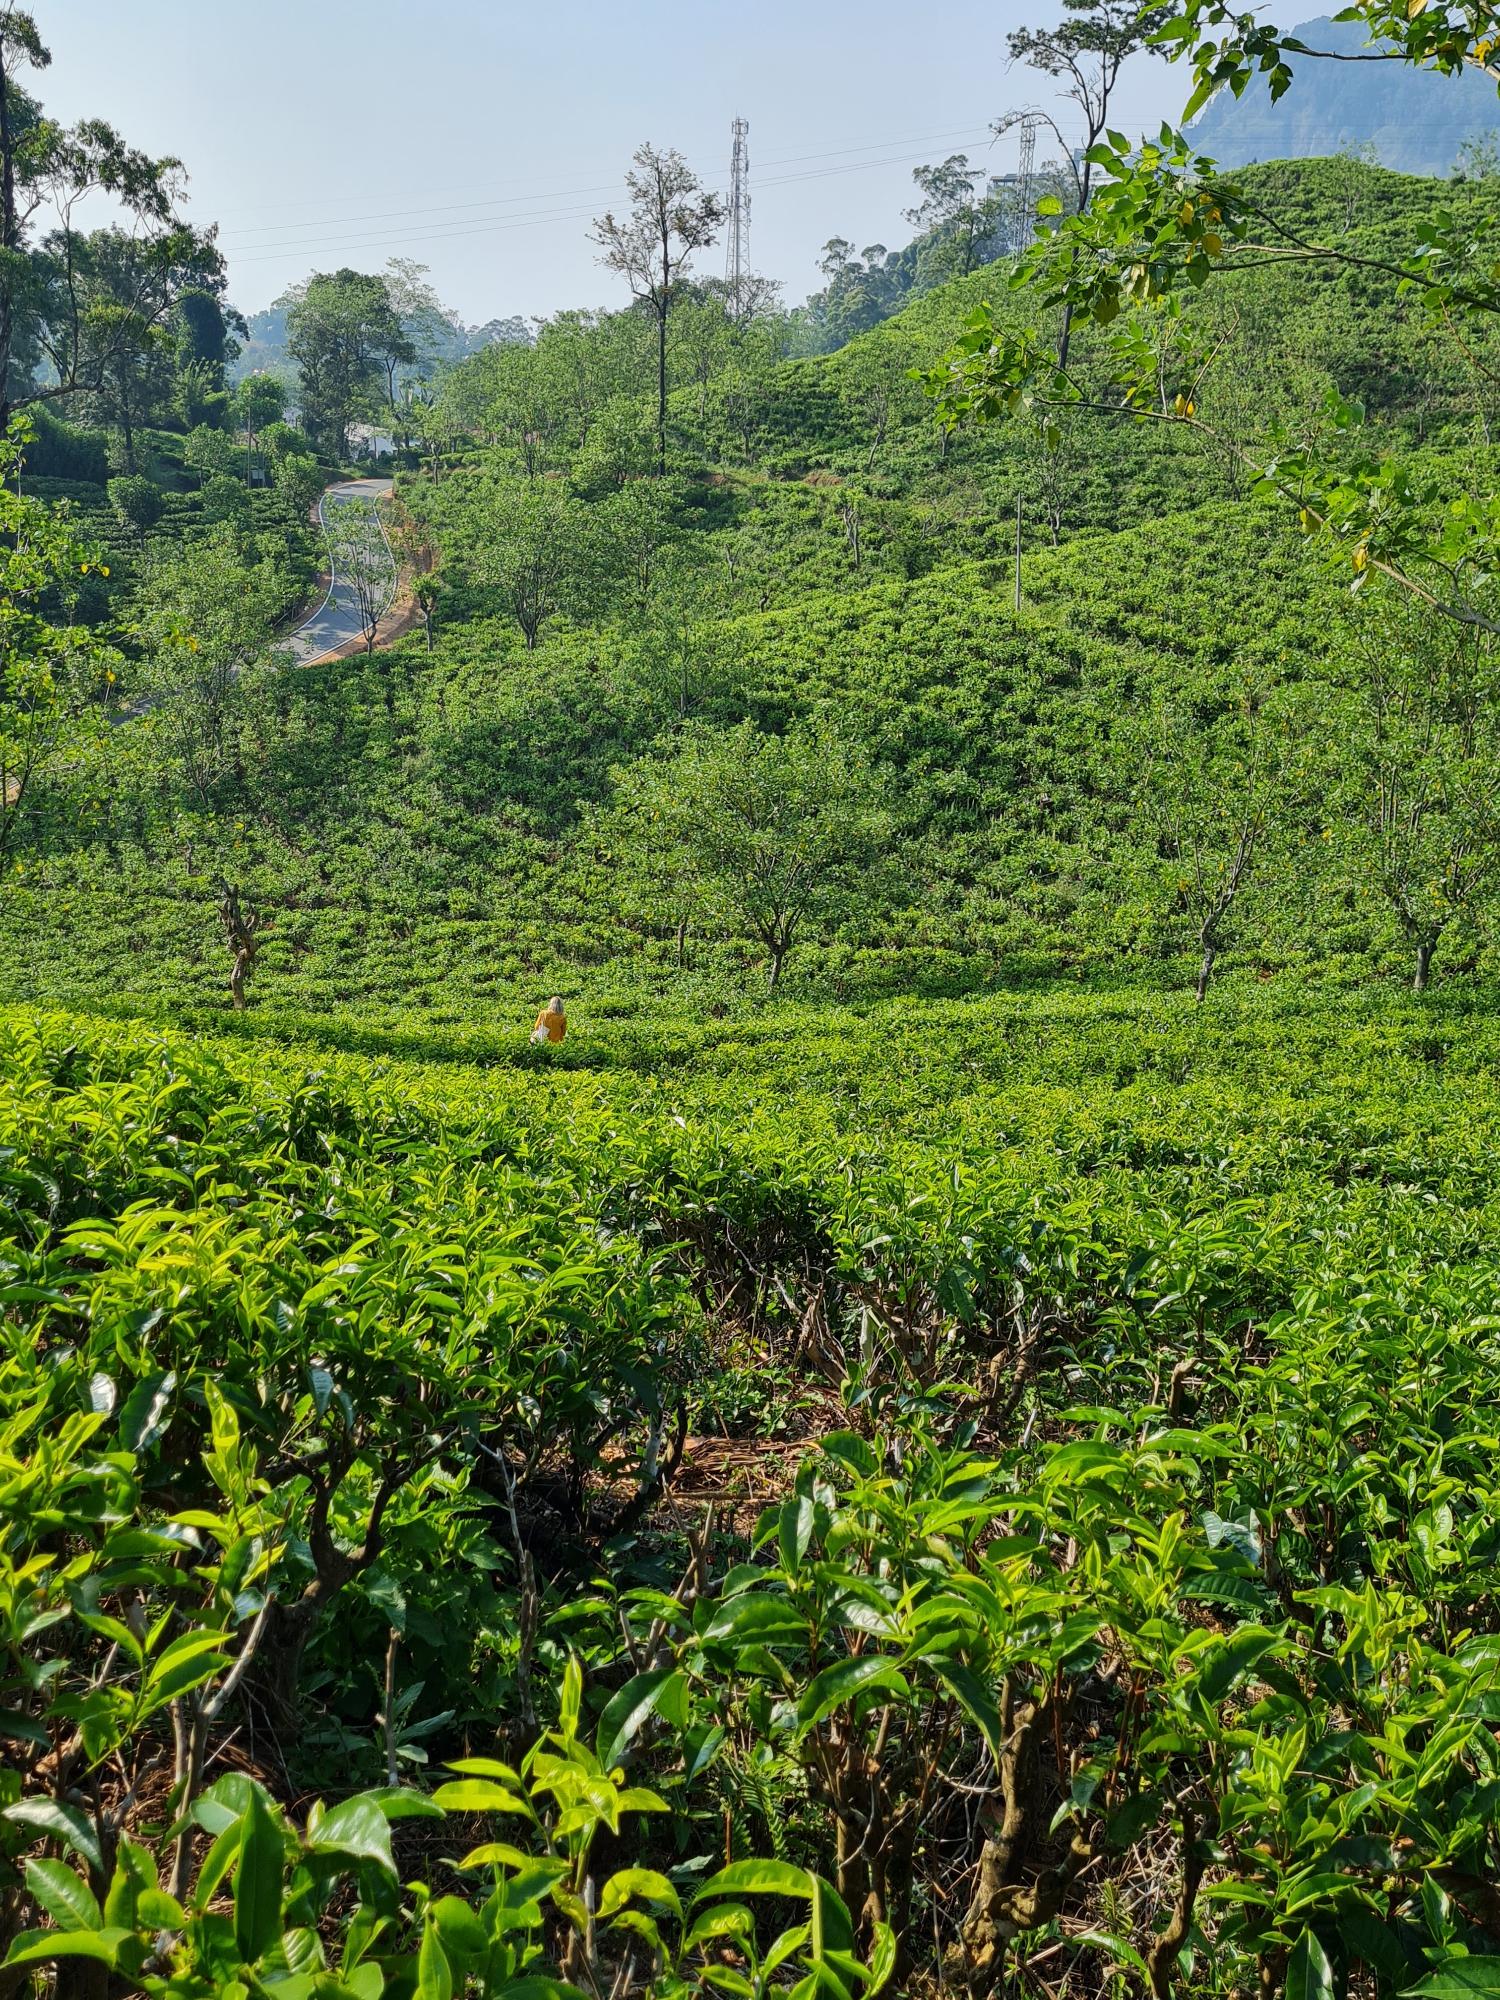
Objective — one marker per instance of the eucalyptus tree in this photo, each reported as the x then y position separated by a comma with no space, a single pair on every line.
671,216
960,209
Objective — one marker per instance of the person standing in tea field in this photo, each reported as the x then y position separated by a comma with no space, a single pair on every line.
551,1023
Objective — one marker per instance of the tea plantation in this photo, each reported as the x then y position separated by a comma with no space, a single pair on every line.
944,1439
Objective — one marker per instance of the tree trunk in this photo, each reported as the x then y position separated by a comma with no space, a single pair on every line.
1425,949
661,393
1064,338
778,955
1205,971
129,430
9,240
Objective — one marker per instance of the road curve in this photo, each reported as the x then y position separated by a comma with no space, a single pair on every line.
336,622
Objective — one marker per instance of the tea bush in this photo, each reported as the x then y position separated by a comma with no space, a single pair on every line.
1161,1521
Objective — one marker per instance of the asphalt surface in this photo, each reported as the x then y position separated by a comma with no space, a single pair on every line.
336,621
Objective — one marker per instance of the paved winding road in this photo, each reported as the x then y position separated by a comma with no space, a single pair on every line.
337,621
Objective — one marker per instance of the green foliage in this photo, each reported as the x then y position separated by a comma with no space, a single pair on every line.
137,501
966,1472
346,338
1165,1497
767,834
52,673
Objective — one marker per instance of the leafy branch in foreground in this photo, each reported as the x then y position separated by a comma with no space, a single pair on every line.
1163,225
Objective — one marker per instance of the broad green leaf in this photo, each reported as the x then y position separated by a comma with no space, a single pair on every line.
1460,1979
974,1698
1237,1656
796,1529
761,1620
66,1897
434,1973
359,1828
486,1767
59,1822
461,1928
143,1416
850,1449
662,1692
645,1883
480,1795
840,1683
38,1947
257,1883
1309,1976
759,1878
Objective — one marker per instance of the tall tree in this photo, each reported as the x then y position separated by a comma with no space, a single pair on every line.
1212,790
1084,55
952,204
538,551
671,216
360,561
206,612
434,332
258,401
343,333
49,313
860,289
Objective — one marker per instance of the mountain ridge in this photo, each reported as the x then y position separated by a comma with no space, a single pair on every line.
1413,124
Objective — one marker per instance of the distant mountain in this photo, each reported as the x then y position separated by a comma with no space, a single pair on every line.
1413,123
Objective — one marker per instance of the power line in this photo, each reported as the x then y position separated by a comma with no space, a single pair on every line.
445,232
557,194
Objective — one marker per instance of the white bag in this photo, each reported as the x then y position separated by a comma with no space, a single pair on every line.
539,1034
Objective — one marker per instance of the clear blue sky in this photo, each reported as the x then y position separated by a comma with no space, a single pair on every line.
480,136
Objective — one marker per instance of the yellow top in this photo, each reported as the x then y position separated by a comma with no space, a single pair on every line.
555,1024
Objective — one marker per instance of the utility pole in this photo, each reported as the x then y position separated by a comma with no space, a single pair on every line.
737,237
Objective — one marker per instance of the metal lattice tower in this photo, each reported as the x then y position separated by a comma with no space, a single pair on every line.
737,242
1025,218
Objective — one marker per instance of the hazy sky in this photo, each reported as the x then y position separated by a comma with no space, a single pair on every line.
480,136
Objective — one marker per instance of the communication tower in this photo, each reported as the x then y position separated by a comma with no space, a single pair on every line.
1026,196
737,239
